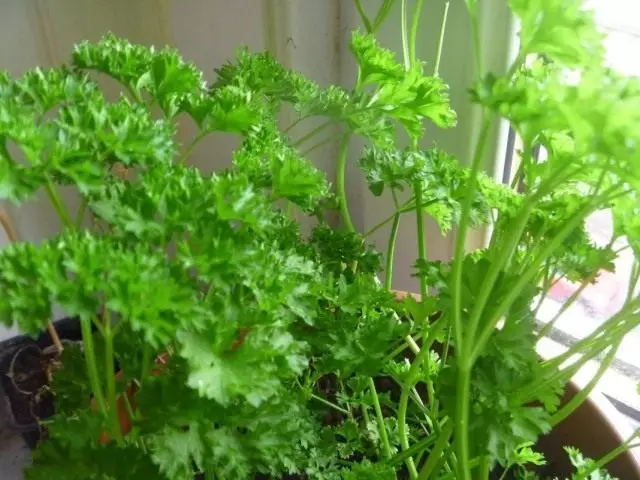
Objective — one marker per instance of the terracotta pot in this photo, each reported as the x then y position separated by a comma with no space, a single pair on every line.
595,428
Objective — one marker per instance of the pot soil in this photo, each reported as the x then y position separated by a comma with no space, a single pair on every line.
25,374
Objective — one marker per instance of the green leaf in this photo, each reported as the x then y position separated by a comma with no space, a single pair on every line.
564,31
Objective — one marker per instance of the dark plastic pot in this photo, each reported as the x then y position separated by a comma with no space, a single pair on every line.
24,379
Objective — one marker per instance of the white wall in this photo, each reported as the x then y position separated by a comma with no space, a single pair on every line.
309,35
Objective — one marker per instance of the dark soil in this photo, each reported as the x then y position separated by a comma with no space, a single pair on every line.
25,380
25,366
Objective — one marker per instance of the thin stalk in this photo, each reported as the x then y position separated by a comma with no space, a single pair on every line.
503,255
90,360
460,241
404,402
329,404
407,207
484,467
391,247
57,203
517,175
127,406
581,396
187,153
316,146
386,447
623,447
363,16
543,382
463,385
504,474
405,40
570,301
422,246
110,373
55,338
443,28
312,133
633,281
436,452
402,348
81,211
393,235
402,430
382,14
415,22
614,325
475,26
414,449
341,171
295,122
134,93
548,283
530,273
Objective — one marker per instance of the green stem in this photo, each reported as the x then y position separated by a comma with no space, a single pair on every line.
422,246
614,325
405,40
393,235
406,207
497,265
414,449
443,28
461,439
415,22
461,236
581,396
531,271
404,399
484,467
316,146
475,26
112,399
382,14
312,133
436,452
133,92
81,211
391,247
504,474
329,404
90,360
633,281
381,426
570,301
401,348
341,172
187,153
295,122
608,458
363,16
57,203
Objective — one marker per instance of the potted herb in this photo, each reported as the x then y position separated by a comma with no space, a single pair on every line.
219,341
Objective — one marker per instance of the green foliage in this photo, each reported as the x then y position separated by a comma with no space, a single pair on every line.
248,343
409,97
